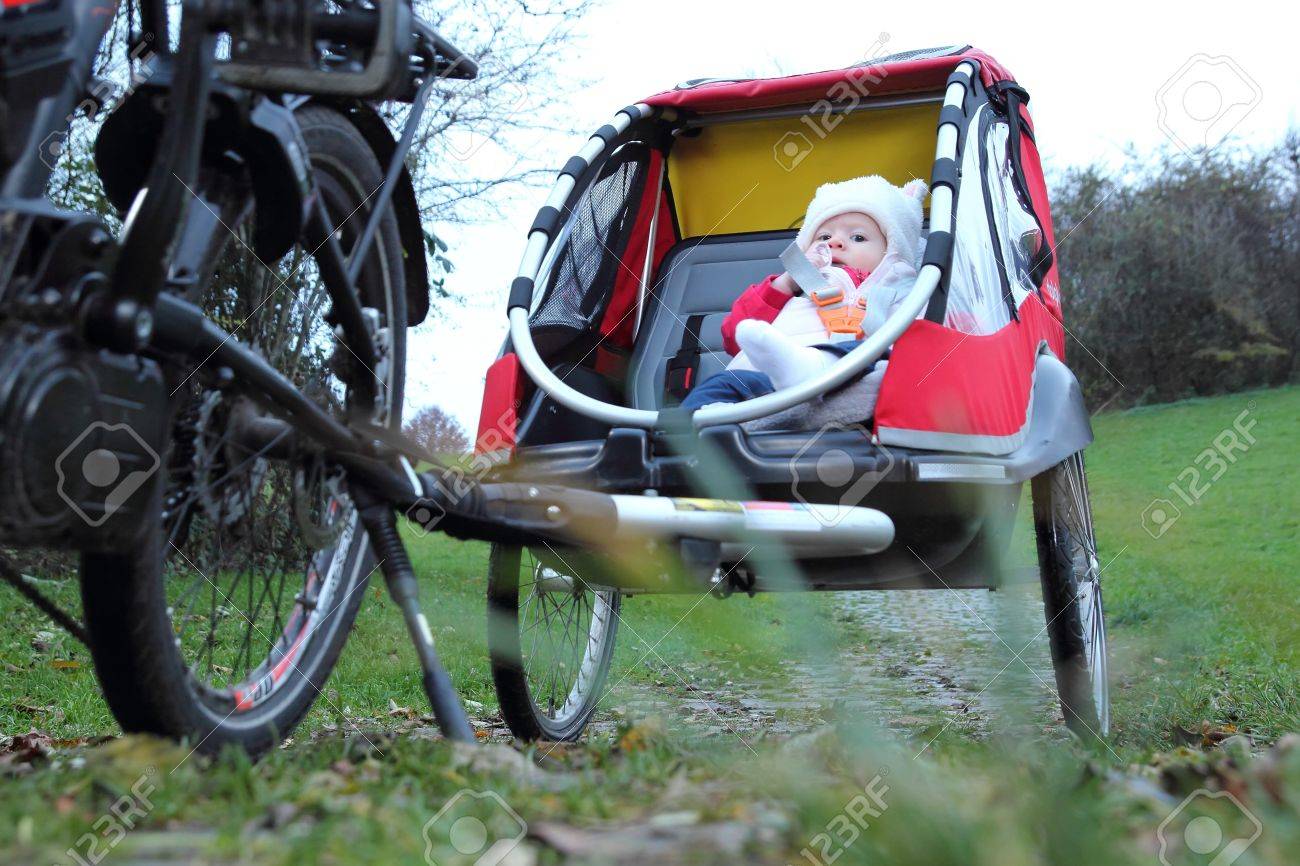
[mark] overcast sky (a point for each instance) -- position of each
(1094, 71)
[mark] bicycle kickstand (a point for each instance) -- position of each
(381, 524)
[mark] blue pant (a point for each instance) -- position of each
(733, 386)
(729, 386)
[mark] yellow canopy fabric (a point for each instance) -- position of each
(759, 175)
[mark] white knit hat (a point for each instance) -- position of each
(897, 211)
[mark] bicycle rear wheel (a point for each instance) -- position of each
(223, 627)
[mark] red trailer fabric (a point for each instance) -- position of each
(899, 77)
(619, 322)
(944, 389)
(949, 391)
(503, 393)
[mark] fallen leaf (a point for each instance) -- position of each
(1212, 735)
(77, 742)
(65, 665)
(403, 712)
(641, 735)
(20, 752)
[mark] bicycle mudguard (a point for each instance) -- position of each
(366, 119)
(267, 138)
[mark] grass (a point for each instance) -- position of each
(1204, 643)
(1211, 596)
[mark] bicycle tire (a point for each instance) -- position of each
(148, 683)
(1072, 598)
(528, 696)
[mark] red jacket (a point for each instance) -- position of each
(763, 301)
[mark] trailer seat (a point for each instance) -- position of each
(698, 277)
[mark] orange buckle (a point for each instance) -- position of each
(843, 320)
(826, 297)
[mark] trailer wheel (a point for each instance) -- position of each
(551, 640)
(1071, 578)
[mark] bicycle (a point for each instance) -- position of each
(221, 493)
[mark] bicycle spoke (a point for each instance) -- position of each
(234, 515)
(558, 618)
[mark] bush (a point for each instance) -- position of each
(1181, 277)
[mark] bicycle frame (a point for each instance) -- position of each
(168, 238)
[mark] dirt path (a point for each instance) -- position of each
(918, 662)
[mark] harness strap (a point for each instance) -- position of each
(1015, 96)
(683, 367)
(841, 317)
(806, 278)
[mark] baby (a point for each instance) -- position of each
(864, 237)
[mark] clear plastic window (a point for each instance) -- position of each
(996, 237)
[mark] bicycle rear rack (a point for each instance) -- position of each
(274, 46)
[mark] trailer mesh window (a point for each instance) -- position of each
(587, 260)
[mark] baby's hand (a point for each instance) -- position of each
(820, 257)
(785, 283)
(819, 254)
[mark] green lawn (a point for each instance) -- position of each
(1204, 636)
(1214, 596)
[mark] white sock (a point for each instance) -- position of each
(782, 359)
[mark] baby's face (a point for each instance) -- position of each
(855, 240)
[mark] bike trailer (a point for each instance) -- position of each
(681, 201)
(672, 209)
